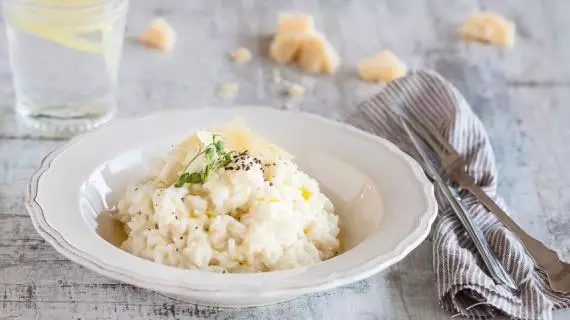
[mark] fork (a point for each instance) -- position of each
(557, 271)
(494, 266)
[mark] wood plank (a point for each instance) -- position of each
(541, 116)
(51, 284)
(18, 160)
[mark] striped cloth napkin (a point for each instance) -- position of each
(463, 286)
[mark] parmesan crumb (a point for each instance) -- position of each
(295, 90)
(228, 90)
(159, 34)
(241, 56)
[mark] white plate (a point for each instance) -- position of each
(384, 200)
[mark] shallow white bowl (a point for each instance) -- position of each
(385, 202)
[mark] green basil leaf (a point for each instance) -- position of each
(209, 153)
(219, 146)
(195, 177)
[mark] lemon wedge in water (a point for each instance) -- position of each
(81, 24)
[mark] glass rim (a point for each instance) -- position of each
(119, 4)
(41, 10)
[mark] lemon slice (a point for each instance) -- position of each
(67, 27)
(69, 40)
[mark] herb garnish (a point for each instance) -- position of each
(215, 157)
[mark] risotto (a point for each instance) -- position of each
(226, 200)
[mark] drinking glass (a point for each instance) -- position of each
(64, 56)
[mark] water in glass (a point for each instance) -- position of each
(64, 59)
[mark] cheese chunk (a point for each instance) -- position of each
(310, 56)
(297, 41)
(489, 27)
(294, 23)
(159, 34)
(284, 48)
(316, 54)
(241, 56)
(239, 137)
(383, 67)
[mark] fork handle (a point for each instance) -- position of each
(494, 266)
(544, 258)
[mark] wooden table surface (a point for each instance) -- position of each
(520, 94)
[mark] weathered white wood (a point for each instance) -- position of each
(520, 95)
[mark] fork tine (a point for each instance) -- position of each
(423, 132)
(443, 143)
(436, 147)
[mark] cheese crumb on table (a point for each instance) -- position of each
(383, 67)
(489, 27)
(295, 90)
(228, 90)
(294, 23)
(241, 56)
(159, 34)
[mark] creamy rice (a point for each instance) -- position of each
(257, 213)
